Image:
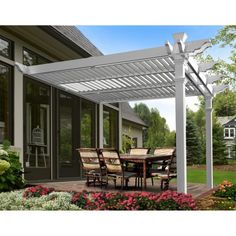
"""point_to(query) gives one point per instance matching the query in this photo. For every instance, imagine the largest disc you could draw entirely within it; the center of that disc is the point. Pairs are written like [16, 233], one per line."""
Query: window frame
[11, 48]
[229, 133]
[10, 103]
[37, 56]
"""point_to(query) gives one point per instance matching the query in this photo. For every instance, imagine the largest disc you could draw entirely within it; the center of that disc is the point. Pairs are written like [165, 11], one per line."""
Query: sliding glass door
[68, 137]
[37, 158]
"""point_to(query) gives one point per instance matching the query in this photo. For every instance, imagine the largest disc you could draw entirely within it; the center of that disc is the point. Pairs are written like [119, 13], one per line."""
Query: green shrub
[11, 178]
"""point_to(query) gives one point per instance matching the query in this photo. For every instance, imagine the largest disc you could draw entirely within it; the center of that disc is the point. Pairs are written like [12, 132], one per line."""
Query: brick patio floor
[79, 185]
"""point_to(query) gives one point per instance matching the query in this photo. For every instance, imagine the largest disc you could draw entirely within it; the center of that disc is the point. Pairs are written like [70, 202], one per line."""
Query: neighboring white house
[132, 125]
[229, 124]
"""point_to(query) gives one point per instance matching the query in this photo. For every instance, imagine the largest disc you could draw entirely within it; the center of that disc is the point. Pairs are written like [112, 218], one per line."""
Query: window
[229, 133]
[110, 126]
[37, 126]
[6, 103]
[6, 48]
[87, 124]
[31, 58]
[135, 142]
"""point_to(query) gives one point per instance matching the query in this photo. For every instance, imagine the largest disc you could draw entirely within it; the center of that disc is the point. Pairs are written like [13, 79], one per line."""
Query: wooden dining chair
[115, 168]
[94, 171]
[167, 169]
[137, 168]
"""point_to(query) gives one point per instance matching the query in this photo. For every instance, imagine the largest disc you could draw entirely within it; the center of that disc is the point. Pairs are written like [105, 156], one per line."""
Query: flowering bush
[226, 190]
[167, 200]
[10, 170]
[4, 166]
[14, 200]
[36, 191]
[3, 154]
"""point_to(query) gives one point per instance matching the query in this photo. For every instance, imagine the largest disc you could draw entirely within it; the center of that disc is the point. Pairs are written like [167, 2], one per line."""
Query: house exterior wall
[229, 139]
[133, 131]
[38, 41]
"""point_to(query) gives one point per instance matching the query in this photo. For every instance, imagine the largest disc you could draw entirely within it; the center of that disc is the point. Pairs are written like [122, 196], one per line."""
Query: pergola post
[120, 127]
[100, 125]
[180, 62]
[209, 149]
[180, 114]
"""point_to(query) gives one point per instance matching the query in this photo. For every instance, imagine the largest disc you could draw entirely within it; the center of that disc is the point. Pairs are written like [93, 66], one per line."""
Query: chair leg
[162, 184]
[152, 181]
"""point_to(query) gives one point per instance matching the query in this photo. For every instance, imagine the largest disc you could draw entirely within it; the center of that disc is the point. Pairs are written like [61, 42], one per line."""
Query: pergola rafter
[163, 72]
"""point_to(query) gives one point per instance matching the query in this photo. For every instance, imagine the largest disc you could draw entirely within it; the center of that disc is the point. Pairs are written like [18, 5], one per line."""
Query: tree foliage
[193, 140]
[227, 37]
[224, 103]
[158, 133]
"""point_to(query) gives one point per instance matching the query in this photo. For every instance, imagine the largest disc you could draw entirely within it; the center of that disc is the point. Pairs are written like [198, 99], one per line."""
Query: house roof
[224, 119]
[231, 123]
[129, 114]
[72, 37]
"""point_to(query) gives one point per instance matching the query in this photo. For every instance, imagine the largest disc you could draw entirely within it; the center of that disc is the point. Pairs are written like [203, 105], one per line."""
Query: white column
[18, 103]
[100, 125]
[209, 149]
[180, 114]
[120, 127]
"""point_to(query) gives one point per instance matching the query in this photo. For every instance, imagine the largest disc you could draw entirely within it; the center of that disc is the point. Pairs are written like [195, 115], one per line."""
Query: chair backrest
[89, 158]
[139, 151]
[112, 160]
[164, 151]
[172, 165]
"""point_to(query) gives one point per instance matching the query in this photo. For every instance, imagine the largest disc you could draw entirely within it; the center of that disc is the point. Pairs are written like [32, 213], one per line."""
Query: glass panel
[232, 133]
[31, 58]
[87, 124]
[65, 129]
[226, 132]
[5, 48]
[110, 125]
[37, 125]
[5, 76]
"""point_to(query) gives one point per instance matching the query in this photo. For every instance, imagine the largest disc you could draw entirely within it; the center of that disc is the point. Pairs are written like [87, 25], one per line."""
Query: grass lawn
[196, 175]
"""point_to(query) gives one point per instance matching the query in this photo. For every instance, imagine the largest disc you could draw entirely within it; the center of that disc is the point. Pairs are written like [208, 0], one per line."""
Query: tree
[158, 133]
[194, 147]
[144, 113]
[170, 139]
[219, 147]
[157, 130]
[227, 37]
[224, 103]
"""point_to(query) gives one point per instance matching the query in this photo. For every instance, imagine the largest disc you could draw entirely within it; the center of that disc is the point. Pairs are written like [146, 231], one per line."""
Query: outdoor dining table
[144, 159]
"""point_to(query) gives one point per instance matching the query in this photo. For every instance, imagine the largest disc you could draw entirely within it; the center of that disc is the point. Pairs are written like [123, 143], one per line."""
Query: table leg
[36, 156]
[144, 174]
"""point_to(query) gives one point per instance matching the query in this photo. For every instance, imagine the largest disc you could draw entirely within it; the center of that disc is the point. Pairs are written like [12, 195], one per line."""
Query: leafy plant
[4, 166]
[12, 177]
[226, 190]
[37, 191]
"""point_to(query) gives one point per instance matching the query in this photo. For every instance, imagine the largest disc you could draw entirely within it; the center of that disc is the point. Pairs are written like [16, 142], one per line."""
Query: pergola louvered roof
[137, 75]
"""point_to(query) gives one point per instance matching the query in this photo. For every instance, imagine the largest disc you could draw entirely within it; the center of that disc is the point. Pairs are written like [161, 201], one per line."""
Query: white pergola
[163, 72]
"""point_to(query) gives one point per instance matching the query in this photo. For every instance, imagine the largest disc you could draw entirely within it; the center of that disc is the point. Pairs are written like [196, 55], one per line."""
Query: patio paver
[80, 185]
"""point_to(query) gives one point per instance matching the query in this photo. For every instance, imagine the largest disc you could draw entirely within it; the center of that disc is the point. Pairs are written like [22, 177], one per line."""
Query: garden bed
[221, 198]
[42, 198]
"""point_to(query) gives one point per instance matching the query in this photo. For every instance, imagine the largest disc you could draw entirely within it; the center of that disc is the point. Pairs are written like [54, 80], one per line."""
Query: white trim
[209, 142]
[229, 129]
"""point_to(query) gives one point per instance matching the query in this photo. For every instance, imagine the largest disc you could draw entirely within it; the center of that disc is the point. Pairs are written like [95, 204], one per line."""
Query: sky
[115, 39]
